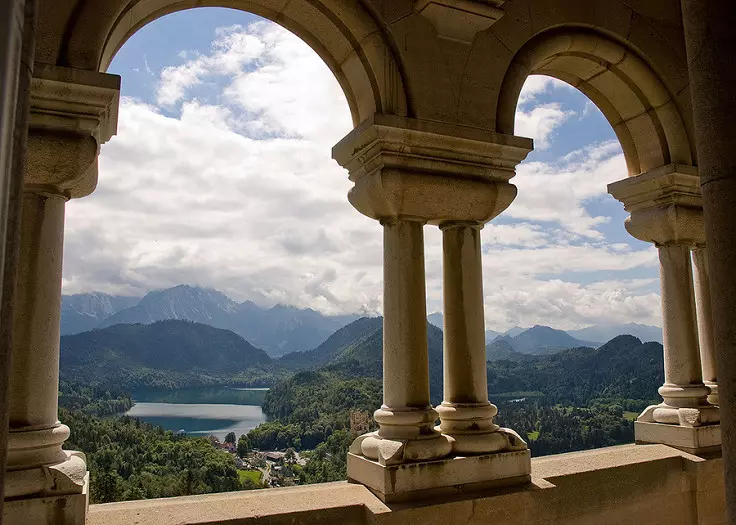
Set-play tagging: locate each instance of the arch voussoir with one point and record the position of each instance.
(348, 39)
(636, 102)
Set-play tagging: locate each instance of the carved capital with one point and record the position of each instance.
(73, 112)
(665, 204)
(430, 171)
(460, 20)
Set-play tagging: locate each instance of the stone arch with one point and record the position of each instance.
(643, 113)
(343, 34)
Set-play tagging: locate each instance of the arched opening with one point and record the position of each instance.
(348, 40)
(560, 265)
(642, 112)
(220, 177)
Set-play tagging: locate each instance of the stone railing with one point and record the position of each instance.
(618, 485)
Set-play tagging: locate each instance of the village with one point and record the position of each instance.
(261, 469)
(275, 468)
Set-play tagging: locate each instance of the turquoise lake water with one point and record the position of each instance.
(202, 411)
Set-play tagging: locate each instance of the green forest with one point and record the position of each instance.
(576, 399)
(129, 459)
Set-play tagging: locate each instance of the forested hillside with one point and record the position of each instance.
(356, 350)
(129, 459)
(167, 354)
(576, 399)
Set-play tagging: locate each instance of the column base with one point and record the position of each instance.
(683, 416)
(490, 442)
(63, 502)
(394, 451)
(694, 440)
(457, 475)
(713, 396)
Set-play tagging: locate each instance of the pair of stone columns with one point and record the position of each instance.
(666, 209)
(407, 174)
(72, 113)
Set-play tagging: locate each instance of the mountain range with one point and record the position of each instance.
(594, 335)
(623, 368)
(281, 330)
(538, 340)
(277, 330)
(174, 353)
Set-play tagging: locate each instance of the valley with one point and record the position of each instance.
(184, 384)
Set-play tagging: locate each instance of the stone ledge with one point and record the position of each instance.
(694, 440)
(616, 485)
(458, 475)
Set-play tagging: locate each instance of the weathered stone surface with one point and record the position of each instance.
(619, 485)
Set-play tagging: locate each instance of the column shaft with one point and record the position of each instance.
(465, 374)
(466, 415)
(405, 359)
(683, 384)
(701, 278)
(35, 433)
(406, 418)
(709, 42)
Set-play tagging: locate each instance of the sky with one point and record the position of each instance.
(221, 176)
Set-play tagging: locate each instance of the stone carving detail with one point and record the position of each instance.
(460, 20)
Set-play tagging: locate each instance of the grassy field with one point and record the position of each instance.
(253, 475)
(631, 416)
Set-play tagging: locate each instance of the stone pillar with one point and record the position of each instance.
(72, 113)
(666, 209)
(709, 42)
(704, 310)
(406, 419)
(408, 173)
(17, 49)
(466, 414)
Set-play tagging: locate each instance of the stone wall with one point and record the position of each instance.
(630, 484)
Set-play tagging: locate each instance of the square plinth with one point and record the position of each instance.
(695, 440)
(458, 475)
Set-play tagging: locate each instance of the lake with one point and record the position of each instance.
(201, 411)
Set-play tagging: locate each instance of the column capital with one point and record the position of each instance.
(428, 170)
(73, 112)
(665, 204)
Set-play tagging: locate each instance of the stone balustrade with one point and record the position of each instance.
(617, 485)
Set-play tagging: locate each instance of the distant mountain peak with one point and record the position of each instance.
(278, 330)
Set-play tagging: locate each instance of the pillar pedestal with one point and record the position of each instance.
(409, 173)
(666, 209)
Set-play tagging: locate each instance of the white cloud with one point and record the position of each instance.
(566, 305)
(232, 49)
(540, 122)
(558, 193)
(235, 190)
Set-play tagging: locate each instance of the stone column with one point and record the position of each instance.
(408, 173)
(709, 43)
(683, 380)
(666, 209)
(704, 310)
(406, 419)
(17, 49)
(72, 113)
(466, 414)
